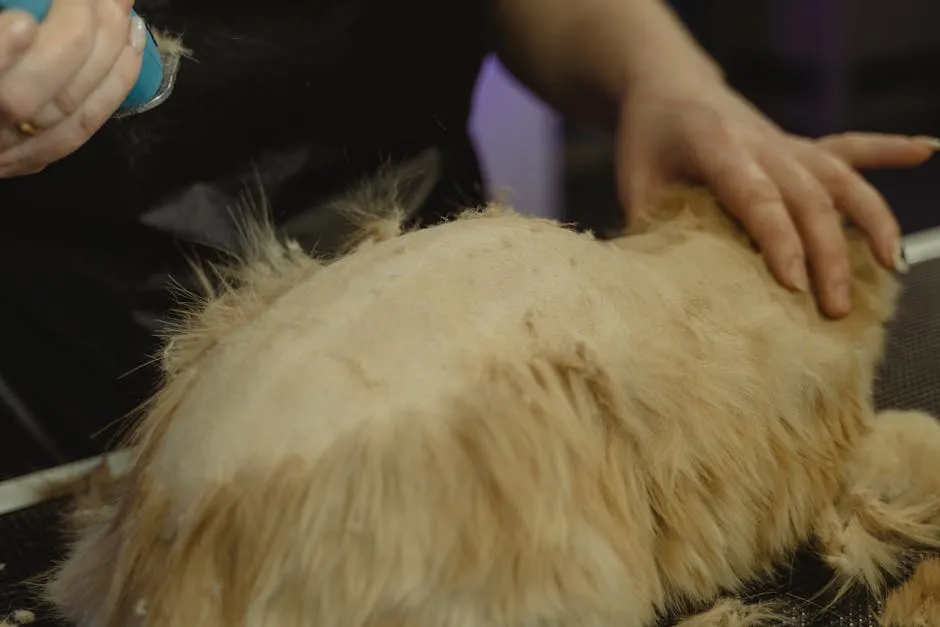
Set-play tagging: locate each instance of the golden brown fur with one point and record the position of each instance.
(917, 602)
(498, 422)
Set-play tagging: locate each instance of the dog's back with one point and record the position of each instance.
(492, 422)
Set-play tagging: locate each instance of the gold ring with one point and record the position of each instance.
(28, 129)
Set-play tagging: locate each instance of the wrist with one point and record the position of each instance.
(681, 71)
(662, 52)
(586, 56)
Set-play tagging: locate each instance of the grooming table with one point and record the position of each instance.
(910, 379)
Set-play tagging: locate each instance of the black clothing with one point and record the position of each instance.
(306, 98)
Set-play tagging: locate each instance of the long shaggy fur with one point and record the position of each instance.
(498, 422)
(917, 602)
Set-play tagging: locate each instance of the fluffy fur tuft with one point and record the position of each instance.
(231, 295)
(374, 211)
(892, 503)
(265, 263)
(169, 44)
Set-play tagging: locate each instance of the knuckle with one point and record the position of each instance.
(113, 21)
(827, 221)
(81, 38)
(772, 226)
(830, 249)
(18, 105)
(67, 102)
(709, 124)
(762, 198)
(94, 7)
(831, 243)
(781, 238)
(87, 126)
(807, 192)
(815, 200)
(792, 253)
(835, 172)
(776, 240)
(717, 128)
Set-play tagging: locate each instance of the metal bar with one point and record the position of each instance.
(28, 490)
(922, 246)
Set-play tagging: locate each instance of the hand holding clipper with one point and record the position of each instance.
(66, 66)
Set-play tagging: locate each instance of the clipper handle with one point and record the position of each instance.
(151, 71)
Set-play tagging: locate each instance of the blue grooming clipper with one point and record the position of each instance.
(151, 73)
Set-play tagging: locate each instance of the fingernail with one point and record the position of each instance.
(900, 263)
(797, 274)
(21, 33)
(933, 142)
(138, 33)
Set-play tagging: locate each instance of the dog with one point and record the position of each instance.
(501, 422)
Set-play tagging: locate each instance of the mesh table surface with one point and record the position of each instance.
(909, 379)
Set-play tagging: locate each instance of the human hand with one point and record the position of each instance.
(787, 191)
(61, 80)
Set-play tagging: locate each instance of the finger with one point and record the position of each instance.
(820, 228)
(63, 43)
(71, 134)
(114, 24)
(869, 151)
(30, 171)
(9, 138)
(744, 188)
(17, 33)
(860, 201)
(639, 183)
